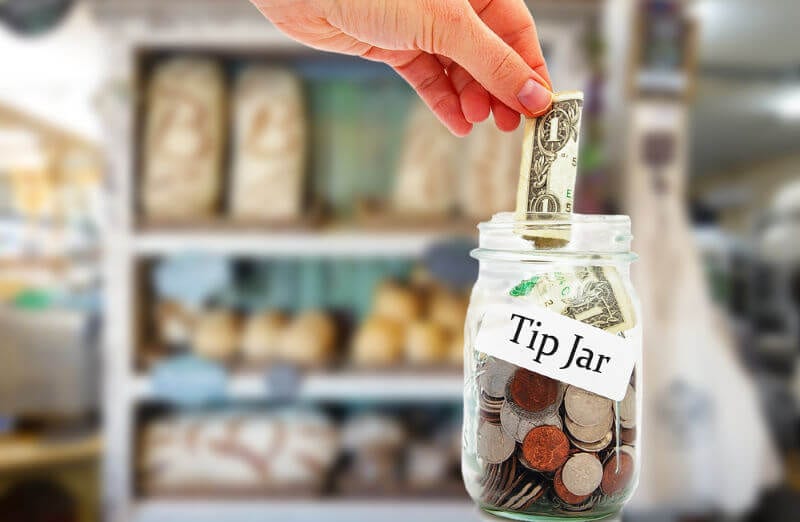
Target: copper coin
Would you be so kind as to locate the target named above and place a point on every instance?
(545, 449)
(532, 391)
(564, 494)
(616, 480)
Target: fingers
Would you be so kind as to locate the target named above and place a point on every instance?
(512, 21)
(505, 118)
(427, 76)
(493, 63)
(475, 100)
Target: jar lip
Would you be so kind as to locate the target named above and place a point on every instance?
(508, 220)
(563, 235)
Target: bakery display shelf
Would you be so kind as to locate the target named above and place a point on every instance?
(345, 510)
(334, 242)
(376, 386)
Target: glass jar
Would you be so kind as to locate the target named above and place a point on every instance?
(552, 386)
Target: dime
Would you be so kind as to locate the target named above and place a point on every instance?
(582, 474)
(545, 449)
(490, 408)
(594, 447)
(517, 422)
(493, 376)
(532, 391)
(564, 494)
(589, 434)
(586, 408)
(510, 486)
(617, 472)
(494, 446)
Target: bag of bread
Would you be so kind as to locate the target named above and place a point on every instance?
(269, 146)
(183, 141)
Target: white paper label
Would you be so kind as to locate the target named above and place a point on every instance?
(559, 347)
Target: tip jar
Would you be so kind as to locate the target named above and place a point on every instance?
(552, 388)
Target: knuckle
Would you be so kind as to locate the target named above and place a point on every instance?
(504, 68)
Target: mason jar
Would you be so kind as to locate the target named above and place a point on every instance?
(552, 385)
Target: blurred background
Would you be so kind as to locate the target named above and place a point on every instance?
(280, 338)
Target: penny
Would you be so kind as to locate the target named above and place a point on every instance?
(545, 449)
(494, 446)
(589, 434)
(564, 494)
(582, 474)
(594, 447)
(628, 436)
(532, 391)
(586, 408)
(517, 422)
(617, 473)
(494, 375)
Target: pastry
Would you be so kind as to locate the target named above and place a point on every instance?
(448, 309)
(183, 139)
(309, 340)
(426, 343)
(261, 336)
(216, 335)
(269, 145)
(378, 343)
(396, 302)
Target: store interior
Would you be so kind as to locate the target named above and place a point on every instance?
(282, 339)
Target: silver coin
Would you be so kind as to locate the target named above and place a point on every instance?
(627, 409)
(494, 375)
(494, 446)
(586, 408)
(590, 434)
(593, 447)
(582, 474)
(517, 422)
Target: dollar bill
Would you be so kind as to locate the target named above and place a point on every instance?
(594, 295)
(549, 166)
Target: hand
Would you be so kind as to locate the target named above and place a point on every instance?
(463, 57)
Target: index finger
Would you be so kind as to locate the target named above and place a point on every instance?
(513, 22)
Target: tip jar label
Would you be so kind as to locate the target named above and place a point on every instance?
(558, 347)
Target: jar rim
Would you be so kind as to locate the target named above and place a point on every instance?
(577, 235)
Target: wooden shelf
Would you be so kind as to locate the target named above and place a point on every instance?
(28, 451)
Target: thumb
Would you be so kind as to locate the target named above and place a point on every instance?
(496, 65)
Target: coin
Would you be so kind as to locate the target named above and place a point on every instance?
(617, 472)
(545, 449)
(510, 486)
(586, 408)
(490, 408)
(494, 375)
(517, 422)
(627, 409)
(594, 447)
(564, 494)
(582, 474)
(628, 436)
(532, 391)
(589, 434)
(494, 446)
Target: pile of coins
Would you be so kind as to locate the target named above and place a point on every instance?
(541, 441)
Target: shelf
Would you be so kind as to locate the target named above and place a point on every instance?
(354, 244)
(342, 386)
(26, 452)
(301, 511)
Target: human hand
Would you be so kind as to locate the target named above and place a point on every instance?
(463, 57)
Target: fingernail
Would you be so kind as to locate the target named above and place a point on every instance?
(535, 97)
